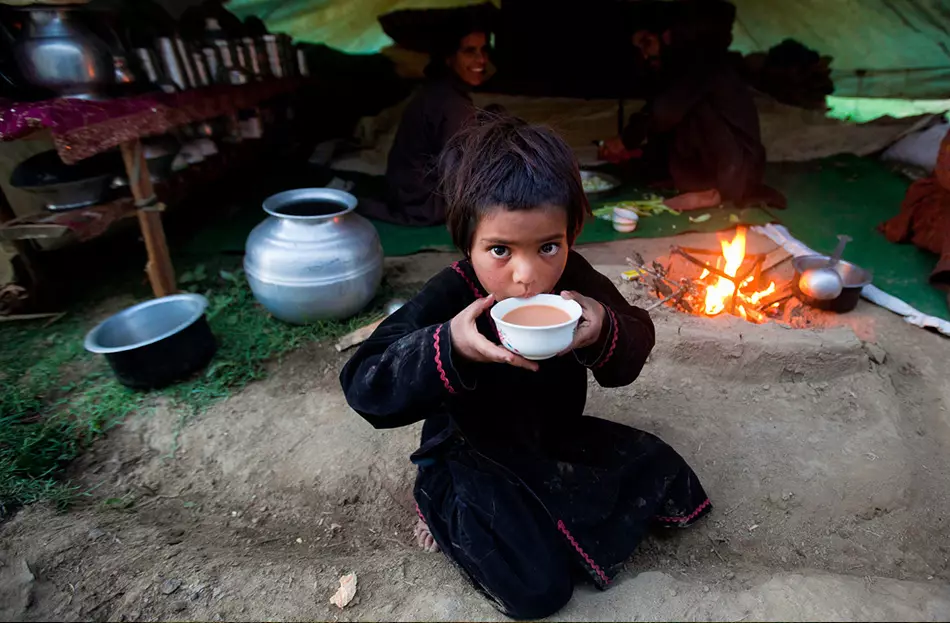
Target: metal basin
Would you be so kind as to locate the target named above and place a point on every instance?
(157, 342)
(65, 187)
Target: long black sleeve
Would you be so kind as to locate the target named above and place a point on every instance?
(405, 371)
(627, 336)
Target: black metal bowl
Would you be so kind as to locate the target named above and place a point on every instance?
(155, 343)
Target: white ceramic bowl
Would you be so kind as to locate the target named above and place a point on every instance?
(536, 343)
(625, 221)
(630, 215)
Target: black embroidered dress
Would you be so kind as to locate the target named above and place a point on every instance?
(515, 482)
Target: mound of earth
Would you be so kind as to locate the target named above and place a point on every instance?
(826, 454)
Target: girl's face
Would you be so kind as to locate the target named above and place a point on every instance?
(520, 253)
(471, 59)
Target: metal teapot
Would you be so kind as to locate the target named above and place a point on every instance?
(56, 52)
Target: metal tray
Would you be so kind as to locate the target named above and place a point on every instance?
(613, 182)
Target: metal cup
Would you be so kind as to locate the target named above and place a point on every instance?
(185, 55)
(201, 69)
(212, 63)
(250, 50)
(171, 64)
(273, 56)
(224, 53)
(147, 62)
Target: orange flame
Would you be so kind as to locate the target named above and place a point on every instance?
(719, 294)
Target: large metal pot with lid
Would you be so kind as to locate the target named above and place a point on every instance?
(313, 258)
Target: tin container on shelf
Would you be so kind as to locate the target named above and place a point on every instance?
(288, 58)
(147, 63)
(253, 57)
(302, 67)
(272, 50)
(184, 56)
(230, 72)
(213, 64)
(240, 56)
(171, 63)
(56, 51)
(201, 69)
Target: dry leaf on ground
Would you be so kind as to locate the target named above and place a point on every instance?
(346, 593)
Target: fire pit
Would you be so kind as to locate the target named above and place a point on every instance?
(710, 283)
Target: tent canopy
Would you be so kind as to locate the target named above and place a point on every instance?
(881, 48)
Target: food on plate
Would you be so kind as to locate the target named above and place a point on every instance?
(594, 183)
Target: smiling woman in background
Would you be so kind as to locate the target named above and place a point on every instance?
(442, 107)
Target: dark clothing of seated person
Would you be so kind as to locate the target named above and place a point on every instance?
(924, 218)
(519, 488)
(441, 108)
(700, 130)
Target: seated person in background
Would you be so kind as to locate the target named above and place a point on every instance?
(924, 219)
(700, 129)
(441, 108)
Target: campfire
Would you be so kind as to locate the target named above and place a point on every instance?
(731, 281)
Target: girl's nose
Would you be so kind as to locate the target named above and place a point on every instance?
(523, 274)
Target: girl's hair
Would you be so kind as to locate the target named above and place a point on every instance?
(502, 161)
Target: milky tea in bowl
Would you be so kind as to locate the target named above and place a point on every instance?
(537, 327)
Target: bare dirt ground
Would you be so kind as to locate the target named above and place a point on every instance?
(826, 453)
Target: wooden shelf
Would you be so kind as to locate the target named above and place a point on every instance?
(81, 129)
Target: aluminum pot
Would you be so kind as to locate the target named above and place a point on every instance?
(157, 342)
(58, 53)
(853, 279)
(313, 258)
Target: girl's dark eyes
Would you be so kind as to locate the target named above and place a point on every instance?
(499, 252)
(550, 248)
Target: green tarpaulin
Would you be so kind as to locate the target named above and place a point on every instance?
(881, 48)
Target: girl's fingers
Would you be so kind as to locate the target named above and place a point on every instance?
(580, 299)
(497, 354)
(521, 362)
(478, 306)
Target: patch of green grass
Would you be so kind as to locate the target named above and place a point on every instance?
(55, 398)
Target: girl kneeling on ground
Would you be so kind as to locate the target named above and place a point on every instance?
(515, 484)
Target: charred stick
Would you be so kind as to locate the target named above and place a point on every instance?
(703, 264)
(680, 292)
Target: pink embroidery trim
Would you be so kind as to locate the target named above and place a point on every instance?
(590, 561)
(692, 515)
(613, 341)
(458, 269)
(438, 361)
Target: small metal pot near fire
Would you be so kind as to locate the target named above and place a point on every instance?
(313, 258)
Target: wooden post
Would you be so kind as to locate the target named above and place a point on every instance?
(159, 269)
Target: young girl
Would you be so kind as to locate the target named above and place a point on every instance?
(515, 484)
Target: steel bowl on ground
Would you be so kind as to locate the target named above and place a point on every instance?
(313, 258)
(156, 343)
(853, 279)
(613, 182)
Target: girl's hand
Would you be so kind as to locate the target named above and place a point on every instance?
(591, 322)
(469, 343)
